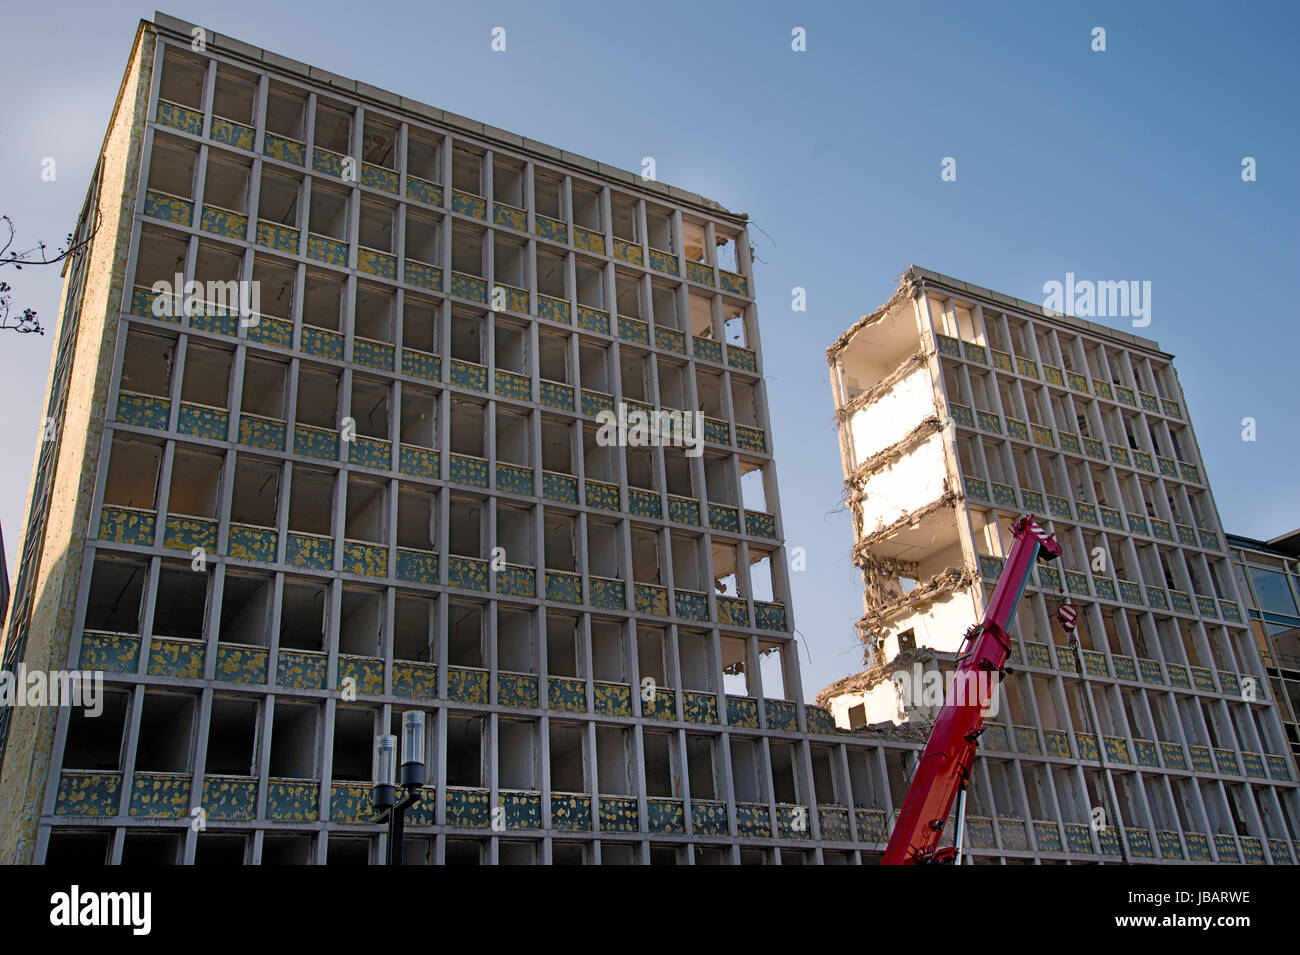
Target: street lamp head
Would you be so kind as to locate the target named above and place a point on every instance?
(413, 766)
(385, 771)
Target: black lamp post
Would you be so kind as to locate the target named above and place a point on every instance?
(412, 777)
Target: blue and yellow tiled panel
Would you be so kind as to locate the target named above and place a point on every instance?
(707, 349)
(979, 832)
(1057, 743)
(793, 822)
(659, 703)
(230, 133)
(370, 453)
(302, 669)
(1191, 473)
(691, 605)
(733, 611)
(87, 793)
(1002, 361)
(1252, 850)
(1171, 408)
(1042, 435)
(365, 559)
(650, 599)
(322, 342)
(127, 525)
(602, 495)
(670, 339)
(819, 720)
(974, 352)
(1101, 389)
(523, 810)
(1144, 461)
(1095, 449)
(760, 524)
(556, 394)
(1230, 683)
(176, 657)
(781, 715)
(700, 272)
(372, 354)
(420, 364)
(469, 375)
(1171, 846)
(211, 317)
(988, 421)
(665, 815)
(175, 209)
(1078, 839)
(1017, 428)
(834, 823)
(742, 711)
(1087, 744)
(1168, 468)
(723, 517)
(1203, 680)
(1226, 848)
(1230, 611)
(284, 149)
(1198, 846)
(644, 503)
(632, 330)
(700, 708)
(1281, 852)
(232, 225)
(514, 479)
(976, 488)
(422, 190)
(470, 287)
(619, 814)
(717, 431)
(1207, 606)
(275, 332)
(768, 616)
(468, 808)
(259, 432)
(1149, 402)
(467, 573)
(229, 798)
(1027, 741)
(468, 204)
(1108, 837)
(239, 664)
(1130, 592)
(873, 827)
(588, 240)
(422, 275)
(570, 812)
(510, 385)
(548, 228)
(322, 248)
(510, 299)
(147, 303)
(553, 309)
(309, 550)
(612, 699)
(962, 415)
(563, 587)
(315, 442)
(684, 510)
(947, 346)
(378, 177)
(709, 818)
(1048, 836)
(111, 652)
(1077, 381)
(1033, 501)
(465, 685)
(187, 533)
(666, 262)
(160, 795)
(1226, 760)
(1105, 588)
(144, 411)
(517, 689)
(559, 487)
(1014, 833)
(1027, 367)
(1125, 668)
(1201, 759)
(1146, 753)
(517, 581)
(626, 251)
(1172, 756)
(415, 681)
(990, 566)
(1038, 655)
(1094, 663)
(468, 470)
(351, 802)
(593, 320)
(731, 282)
(1053, 376)
(1178, 676)
(417, 461)
(567, 695)
(753, 819)
(328, 162)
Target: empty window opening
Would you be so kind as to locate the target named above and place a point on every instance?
(333, 127)
(246, 609)
(161, 256)
(206, 380)
(701, 309)
(379, 143)
(95, 742)
(288, 850)
(232, 737)
(725, 580)
(264, 387)
(294, 740)
(150, 848)
(422, 242)
(367, 513)
(420, 325)
(172, 167)
(226, 183)
(147, 363)
(465, 751)
(557, 446)
(613, 770)
(586, 207)
(514, 444)
(783, 782)
(745, 765)
(361, 622)
(196, 483)
(735, 666)
(278, 198)
(693, 240)
(627, 292)
(693, 660)
(663, 301)
(597, 458)
(678, 473)
(560, 552)
(633, 367)
(645, 556)
(701, 767)
(562, 654)
(467, 337)
(465, 532)
(116, 594)
(591, 285)
(311, 501)
(375, 310)
(733, 326)
(508, 262)
(511, 346)
(414, 624)
(370, 401)
(608, 651)
(166, 733)
(744, 405)
(286, 108)
(753, 489)
(179, 609)
(467, 251)
(375, 227)
(640, 468)
(423, 156)
(419, 417)
(183, 79)
(709, 390)
(417, 518)
(688, 570)
(516, 651)
(303, 614)
(603, 549)
(718, 480)
(318, 397)
(771, 667)
(234, 95)
(672, 385)
(515, 533)
(354, 735)
(652, 654)
(660, 767)
(593, 367)
(659, 228)
(517, 754)
(465, 634)
(467, 170)
(551, 274)
(323, 302)
(328, 215)
(760, 576)
(568, 749)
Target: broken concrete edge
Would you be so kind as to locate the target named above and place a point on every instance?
(916, 279)
(873, 676)
(859, 401)
(877, 461)
(949, 498)
(950, 580)
(183, 30)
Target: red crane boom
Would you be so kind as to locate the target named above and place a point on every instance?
(950, 751)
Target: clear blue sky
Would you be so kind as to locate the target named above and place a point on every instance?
(1117, 165)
